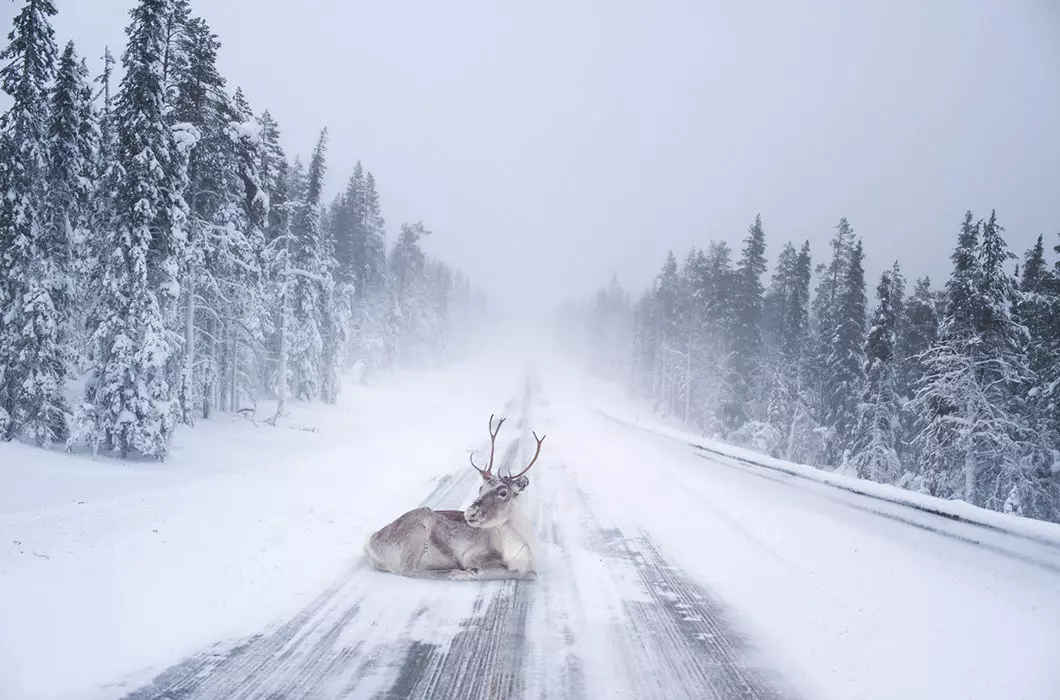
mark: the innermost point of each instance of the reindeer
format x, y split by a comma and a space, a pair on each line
489, 540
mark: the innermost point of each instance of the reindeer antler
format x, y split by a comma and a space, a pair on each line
536, 454
488, 471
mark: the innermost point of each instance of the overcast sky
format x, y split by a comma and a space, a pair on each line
548, 143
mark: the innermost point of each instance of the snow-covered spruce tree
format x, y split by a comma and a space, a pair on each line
106, 185
1038, 308
713, 303
824, 321
643, 345
223, 312
278, 265
610, 331
745, 333
975, 442
918, 333
309, 282
919, 330
199, 100
788, 347
369, 330
73, 174
846, 357
34, 254
408, 265
129, 404
876, 434
667, 360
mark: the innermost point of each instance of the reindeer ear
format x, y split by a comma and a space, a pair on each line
519, 483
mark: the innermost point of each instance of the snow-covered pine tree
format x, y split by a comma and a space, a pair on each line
34, 254
309, 272
667, 309
223, 271
278, 265
874, 453
248, 319
106, 179
788, 342
643, 345
129, 403
714, 303
73, 174
824, 322
199, 101
108, 136
918, 332
846, 357
408, 265
610, 331
974, 443
743, 402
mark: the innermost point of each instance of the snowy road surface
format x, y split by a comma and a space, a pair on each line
664, 572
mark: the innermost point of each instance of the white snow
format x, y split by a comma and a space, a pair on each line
1026, 527
110, 572
111, 569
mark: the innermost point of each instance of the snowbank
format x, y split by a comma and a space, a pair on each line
1044, 532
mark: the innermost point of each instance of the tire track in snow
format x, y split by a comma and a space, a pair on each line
695, 647
379, 636
324, 650
486, 658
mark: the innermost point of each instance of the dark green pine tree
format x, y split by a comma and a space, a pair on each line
129, 403
746, 329
846, 357
34, 262
874, 453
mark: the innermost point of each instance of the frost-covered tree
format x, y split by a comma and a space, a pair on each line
789, 346
73, 174
824, 321
308, 287
129, 403
745, 328
846, 359
918, 331
34, 253
876, 434
975, 443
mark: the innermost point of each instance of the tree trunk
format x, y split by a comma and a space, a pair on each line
971, 464
281, 382
188, 380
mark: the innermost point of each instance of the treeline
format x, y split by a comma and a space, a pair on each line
161, 257
952, 392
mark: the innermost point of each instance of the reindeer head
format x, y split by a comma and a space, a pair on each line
496, 496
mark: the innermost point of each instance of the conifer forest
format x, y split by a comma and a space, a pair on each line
163, 258
947, 387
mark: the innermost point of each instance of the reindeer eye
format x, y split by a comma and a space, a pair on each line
503, 493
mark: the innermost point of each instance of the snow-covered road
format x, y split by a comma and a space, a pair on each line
664, 572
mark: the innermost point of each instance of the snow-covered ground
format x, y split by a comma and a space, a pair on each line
665, 570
